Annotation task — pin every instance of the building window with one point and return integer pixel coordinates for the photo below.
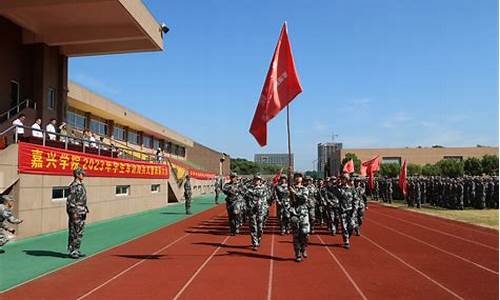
(168, 147)
(60, 193)
(51, 99)
(14, 92)
(155, 188)
(452, 157)
(122, 190)
(181, 151)
(391, 160)
(119, 133)
(156, 143)
(99, 127)
(133, 137)
(147, 141)
(76, 120)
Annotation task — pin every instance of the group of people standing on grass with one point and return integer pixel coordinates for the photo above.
(477, 192)
(302, 205)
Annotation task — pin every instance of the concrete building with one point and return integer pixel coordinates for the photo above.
(38, 39)
(277, 159)
(329, 159)
(421, 156)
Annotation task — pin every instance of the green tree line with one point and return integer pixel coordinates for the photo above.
(245, 167)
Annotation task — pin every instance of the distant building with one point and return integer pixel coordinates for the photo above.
(277, 159)
(329, 159)
(421, 155)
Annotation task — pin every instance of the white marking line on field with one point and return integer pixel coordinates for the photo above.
(412, 267)
(270, 281)
(439, 231)
(343, 269)
(131, 267)
(435, 247)
(199, 270)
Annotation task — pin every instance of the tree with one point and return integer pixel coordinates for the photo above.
(390, 170)
(356, 160)
(431, 170)
(414, 170)
(472, 166)
(489, 164)
(313, 174)
(451, 167)
(246, 167)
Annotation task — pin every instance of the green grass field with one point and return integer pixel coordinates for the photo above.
(481, 217)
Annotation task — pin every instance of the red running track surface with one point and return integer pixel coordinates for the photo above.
(400, 255)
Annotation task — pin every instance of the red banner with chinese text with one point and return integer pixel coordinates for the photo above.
(37, 159)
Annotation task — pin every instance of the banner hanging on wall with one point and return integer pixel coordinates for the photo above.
(43, 160)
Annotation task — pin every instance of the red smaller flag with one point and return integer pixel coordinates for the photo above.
(276, 178)
(372, 166)
(403, 186)
(349, 167)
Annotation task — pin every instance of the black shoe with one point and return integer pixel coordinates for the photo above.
(347, 245)
(233, 234)
(298, 259)
(74, 255)
(255, 248)
(237, 231)
(2, 251)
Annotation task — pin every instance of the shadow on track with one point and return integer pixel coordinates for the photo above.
(46, 253)
(141, 256)
(257, 255)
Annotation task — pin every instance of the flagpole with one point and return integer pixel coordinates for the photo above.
(289, 143)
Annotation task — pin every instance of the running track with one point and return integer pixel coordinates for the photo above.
(400, 255)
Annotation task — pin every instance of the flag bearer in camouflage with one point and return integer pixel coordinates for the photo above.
(346, 198)
(234, 204)
(283, 201)
(257, 196)
(6, 215)
(311, 205)
(76, 207)
(330, 193)
(187, 194)
(300, 217)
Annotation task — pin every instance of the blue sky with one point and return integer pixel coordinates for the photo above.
(389, 73)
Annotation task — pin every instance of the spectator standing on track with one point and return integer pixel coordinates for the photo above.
(187, 194)
(51, 129)
(36, 129)
(6, 215)
(76, 207)
(19, 122)
(300, 217)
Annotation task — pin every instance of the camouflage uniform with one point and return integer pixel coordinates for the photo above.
(332, 206)
(311, 204)
(187, 195)
(234, 205)
(300, 220)
(6, 215)
(257, 197)
(283, 201)
(346, 198)
(76, 207)
(358, 209)
(218, 187)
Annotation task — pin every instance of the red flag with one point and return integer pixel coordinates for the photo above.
(276, 178)
(349, 167)
(403, 186)
(363, 170)
(372, 166)
(281, 86)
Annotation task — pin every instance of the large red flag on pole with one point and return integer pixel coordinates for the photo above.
(280, 88)
(402, 179)
(372, 166)
(349, 167)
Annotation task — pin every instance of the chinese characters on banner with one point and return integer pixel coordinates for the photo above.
(201, 175)
(37, 159)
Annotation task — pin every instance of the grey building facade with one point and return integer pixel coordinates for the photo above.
(278, 159)
(329, 159)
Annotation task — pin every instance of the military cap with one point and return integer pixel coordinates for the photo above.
(233, 174)
(283, 176)
(7, 198)
(257, 176)
(298, 174)
(78, 171)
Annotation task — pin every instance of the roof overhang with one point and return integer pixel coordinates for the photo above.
(86, 27)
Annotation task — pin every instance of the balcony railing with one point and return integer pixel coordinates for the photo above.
(16, 109)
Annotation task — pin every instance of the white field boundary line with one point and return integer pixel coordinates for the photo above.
(435, 247)
(343, 269)
(199, 270)
(413, 268)
(131, 267)
(104, 250)
(270, 280)
(438, 231)
(454, 222)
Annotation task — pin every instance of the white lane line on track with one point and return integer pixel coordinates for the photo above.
(270, 281)
(131, 267)
(343, 269)
(435, 247)
(199, 270)
(412, 267)
(439, 231)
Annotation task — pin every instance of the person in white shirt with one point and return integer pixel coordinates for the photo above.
(51, 127)
(92, 140)
(19, 122)
(36, 129)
